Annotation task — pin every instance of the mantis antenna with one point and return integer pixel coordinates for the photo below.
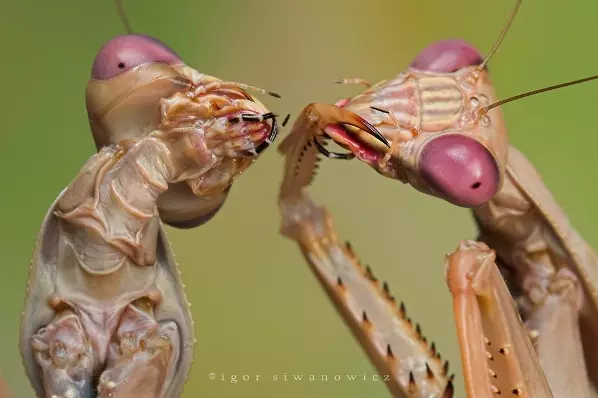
(123, 16)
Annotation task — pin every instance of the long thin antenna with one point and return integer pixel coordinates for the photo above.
(502, 34)
(485, 109)
(123, 16)
(248, 87)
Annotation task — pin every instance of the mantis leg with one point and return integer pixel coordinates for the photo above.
(65, 356)
(410, 366)
(496, 351)
(143, 356)
(554, 273)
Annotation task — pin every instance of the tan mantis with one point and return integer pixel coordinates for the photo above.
(148, 145)
(106, 313)
(437, 126)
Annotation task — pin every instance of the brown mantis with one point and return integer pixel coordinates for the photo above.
(437, 126)
(106, 313)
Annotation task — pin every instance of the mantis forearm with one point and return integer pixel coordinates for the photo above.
(113, 199)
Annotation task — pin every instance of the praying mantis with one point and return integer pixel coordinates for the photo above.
(106, 313)
(524, 293)
(178, 208)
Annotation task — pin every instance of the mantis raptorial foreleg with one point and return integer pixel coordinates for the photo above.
(106, 312)
(444, 135)
(107, 281)
(64, 352)
(143, 355)
(545, 257)
(551, 265)
(496, 352)
(411, 367)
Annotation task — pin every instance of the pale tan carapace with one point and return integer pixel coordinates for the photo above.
(106, 313)
(438, 127)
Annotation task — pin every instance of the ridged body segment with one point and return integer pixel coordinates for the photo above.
(425, 102)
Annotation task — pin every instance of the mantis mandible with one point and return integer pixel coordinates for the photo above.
(438, 127)
(106, 313)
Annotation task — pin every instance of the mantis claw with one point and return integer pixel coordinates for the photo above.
(368, 128)
(335, 123)
(302, 146)
(327, 115)
(356, 121)
(331, 155)
(271, 137)
(253, 118)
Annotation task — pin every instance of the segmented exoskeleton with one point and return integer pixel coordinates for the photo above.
(106, 313)
(438, 127)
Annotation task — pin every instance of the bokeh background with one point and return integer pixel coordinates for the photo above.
(257, 307)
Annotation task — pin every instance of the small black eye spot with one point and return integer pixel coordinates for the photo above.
(476, 185)
(121, 65)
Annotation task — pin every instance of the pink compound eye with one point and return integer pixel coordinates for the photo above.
(447, 56)
(460, 170)
(128, 51)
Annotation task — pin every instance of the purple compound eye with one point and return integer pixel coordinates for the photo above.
(460, 170)
(447, 56)
(128, 51)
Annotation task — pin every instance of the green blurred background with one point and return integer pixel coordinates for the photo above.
(257, 307)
